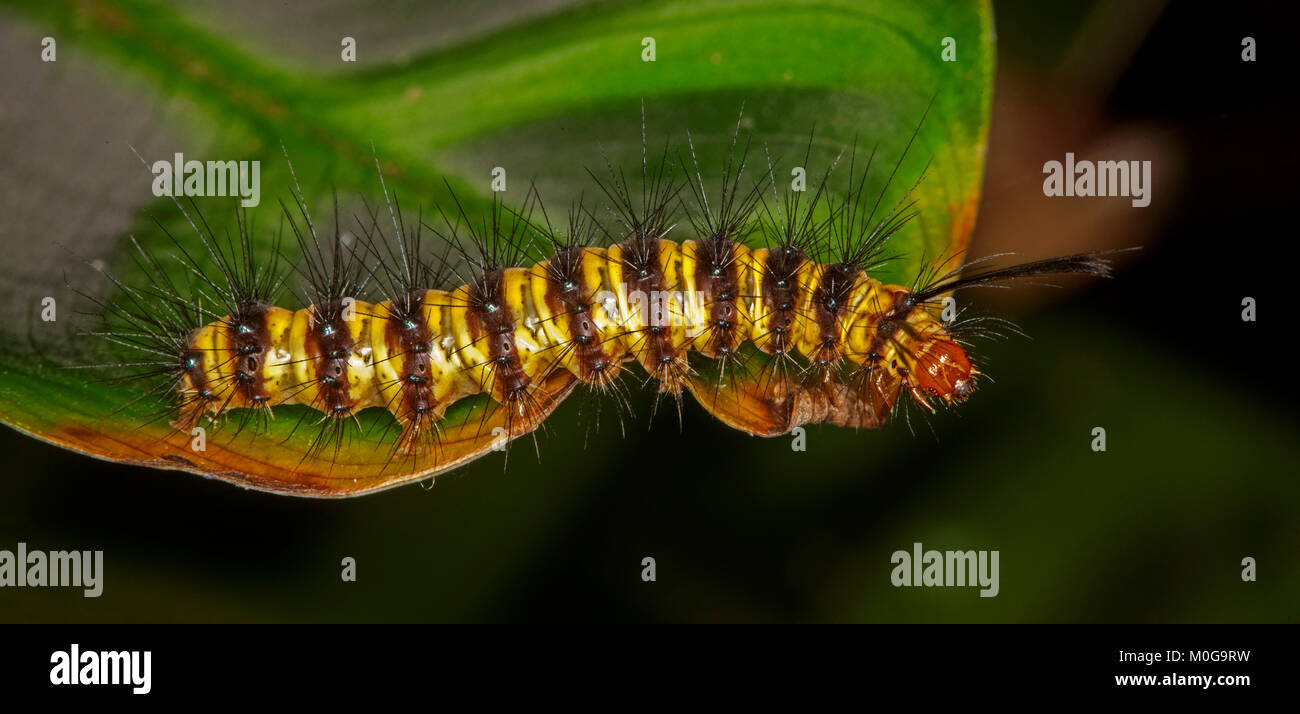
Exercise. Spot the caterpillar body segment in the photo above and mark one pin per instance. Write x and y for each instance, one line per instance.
(511, 331)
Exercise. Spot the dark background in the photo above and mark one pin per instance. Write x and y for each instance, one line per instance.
(1200, 470)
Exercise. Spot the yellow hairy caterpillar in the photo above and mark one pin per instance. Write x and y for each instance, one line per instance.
(386, 326)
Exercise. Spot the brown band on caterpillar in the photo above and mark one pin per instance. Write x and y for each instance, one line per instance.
(407, 334)
(781, 297)
(566, 299)
(890, 322)
(490, 318)
(642, 269)
(249, 339)
(328, 344)
(717, 278)
(829, 303)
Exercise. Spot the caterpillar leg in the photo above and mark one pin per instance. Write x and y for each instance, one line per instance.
(862, 404)
(764, 399)
(419, 431)
(189, 416)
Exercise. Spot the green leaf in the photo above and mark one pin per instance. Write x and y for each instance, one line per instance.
(545, 97)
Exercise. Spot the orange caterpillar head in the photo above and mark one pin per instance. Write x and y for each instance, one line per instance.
(919, 353)
(942, 370)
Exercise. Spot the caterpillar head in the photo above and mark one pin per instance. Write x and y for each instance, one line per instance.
(942, 370)
(917, 349)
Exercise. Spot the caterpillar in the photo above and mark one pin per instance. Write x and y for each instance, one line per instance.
(385, 325)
